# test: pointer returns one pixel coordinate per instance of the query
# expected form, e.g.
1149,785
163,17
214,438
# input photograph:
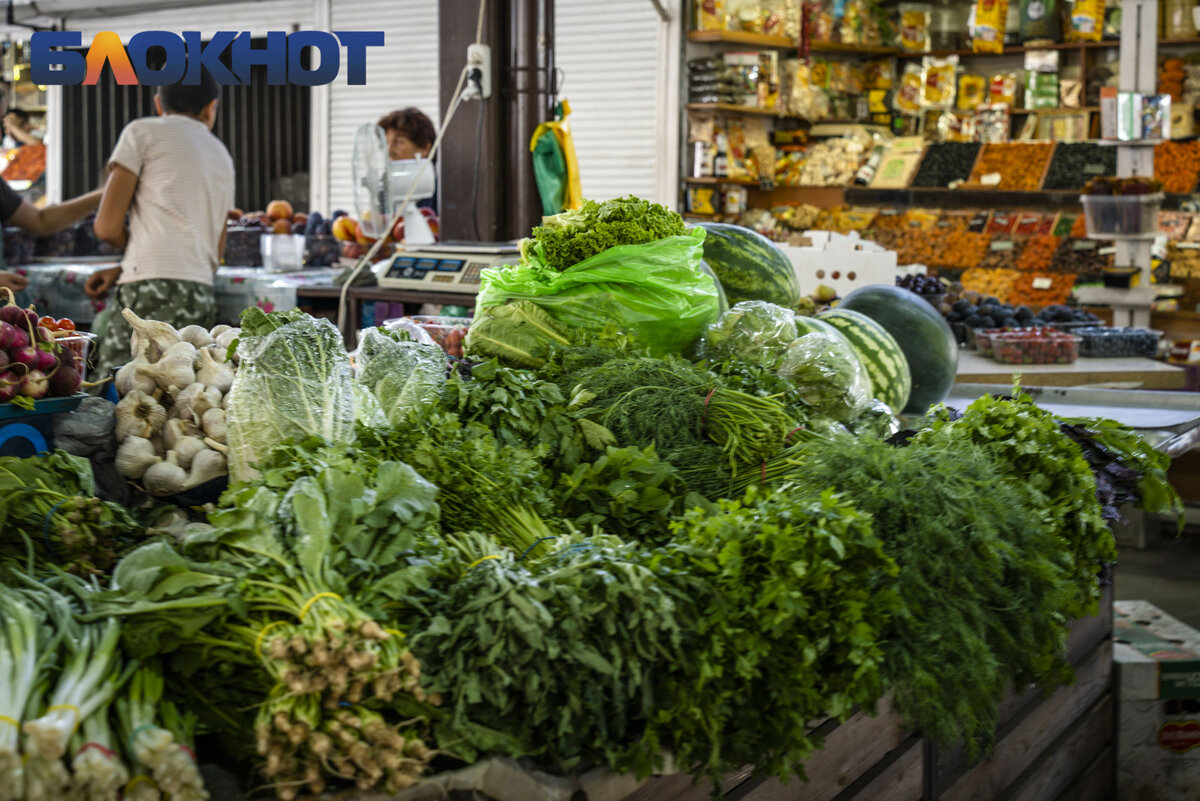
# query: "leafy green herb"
570,237
518,333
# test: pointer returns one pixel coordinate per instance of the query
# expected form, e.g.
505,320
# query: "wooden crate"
1048,748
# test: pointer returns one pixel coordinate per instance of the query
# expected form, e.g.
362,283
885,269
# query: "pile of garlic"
171,417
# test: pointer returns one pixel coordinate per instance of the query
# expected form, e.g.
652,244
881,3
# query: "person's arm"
118,197
13,281
23,135
221,245
42,222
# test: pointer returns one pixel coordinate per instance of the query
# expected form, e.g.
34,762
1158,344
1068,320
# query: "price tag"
1084,244
1002,244
888,213
1042,282
1094,169
943,224
1188,245
1107,251
991,179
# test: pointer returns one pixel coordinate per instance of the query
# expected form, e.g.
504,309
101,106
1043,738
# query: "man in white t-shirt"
175,180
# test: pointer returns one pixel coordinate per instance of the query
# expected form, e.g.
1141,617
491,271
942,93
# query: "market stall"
425,558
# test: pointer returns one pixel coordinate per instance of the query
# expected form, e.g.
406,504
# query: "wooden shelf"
740,38
1107,43
860,50
734,109
1020,112
731,181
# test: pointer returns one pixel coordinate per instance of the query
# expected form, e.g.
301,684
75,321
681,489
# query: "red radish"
34,384
20,340
31,318
46,361
7,333
44,334
9,384
13,315
27,356
65,382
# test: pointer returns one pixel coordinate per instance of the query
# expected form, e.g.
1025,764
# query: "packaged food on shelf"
952,127
982,337
972,91
1086,21
1174,224
907,98
1002,88
1156,116
993,122
800,97
880,74
1184,258
1110,342
913,35
1124,208
710,16
938,85
1012,166
1024,347
991,18
899,161
835,161
1041,90
1040,21
944,163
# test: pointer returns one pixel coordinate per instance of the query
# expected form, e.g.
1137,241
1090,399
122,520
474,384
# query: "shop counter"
1127,373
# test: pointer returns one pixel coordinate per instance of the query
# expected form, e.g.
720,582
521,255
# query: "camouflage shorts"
180,303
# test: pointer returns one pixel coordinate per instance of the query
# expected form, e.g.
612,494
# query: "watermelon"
878,351
926,339
750,266
722,301
810,325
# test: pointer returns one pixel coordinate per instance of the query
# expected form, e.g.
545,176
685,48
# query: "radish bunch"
32,364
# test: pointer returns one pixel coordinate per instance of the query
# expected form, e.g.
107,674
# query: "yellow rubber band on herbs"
16,724
314,599
394,633
134,783
71,707
258,641
477,561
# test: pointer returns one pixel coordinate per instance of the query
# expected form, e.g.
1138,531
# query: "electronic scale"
444,267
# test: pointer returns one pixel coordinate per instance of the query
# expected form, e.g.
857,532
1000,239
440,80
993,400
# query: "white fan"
381,185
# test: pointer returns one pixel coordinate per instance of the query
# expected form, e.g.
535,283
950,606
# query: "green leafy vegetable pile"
573,236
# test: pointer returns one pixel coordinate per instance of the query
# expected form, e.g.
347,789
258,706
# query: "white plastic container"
282,253
1122,216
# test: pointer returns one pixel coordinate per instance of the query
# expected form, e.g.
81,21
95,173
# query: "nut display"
1075,162
946,162
1002,254
1177,165
1038,290
1038,253
1081,257
1020,165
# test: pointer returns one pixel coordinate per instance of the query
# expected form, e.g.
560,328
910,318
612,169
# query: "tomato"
66,324
49,323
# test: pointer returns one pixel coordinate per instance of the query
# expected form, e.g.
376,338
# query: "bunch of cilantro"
568,238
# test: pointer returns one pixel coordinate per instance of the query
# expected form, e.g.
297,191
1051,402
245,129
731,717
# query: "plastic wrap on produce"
829,375
754,331
404,377
656,292
294,382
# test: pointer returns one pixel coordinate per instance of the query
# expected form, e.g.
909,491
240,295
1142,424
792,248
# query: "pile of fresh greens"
573,236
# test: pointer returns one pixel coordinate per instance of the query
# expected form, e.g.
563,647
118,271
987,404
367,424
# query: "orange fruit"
279,210
283,226
344,228
360,237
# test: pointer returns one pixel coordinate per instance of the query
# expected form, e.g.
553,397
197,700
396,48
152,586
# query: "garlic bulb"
206,466
217,330
213,423
196,335
134,456
218,355
174,370
139,415
226,339
186,449
177,429
165,477
157,336
128,378
214,374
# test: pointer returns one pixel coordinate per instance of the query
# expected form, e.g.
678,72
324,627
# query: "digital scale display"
453,267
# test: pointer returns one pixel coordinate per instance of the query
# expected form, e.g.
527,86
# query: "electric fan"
382,184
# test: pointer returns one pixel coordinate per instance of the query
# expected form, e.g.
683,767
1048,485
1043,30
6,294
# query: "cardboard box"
1108,112
842,261
1157,661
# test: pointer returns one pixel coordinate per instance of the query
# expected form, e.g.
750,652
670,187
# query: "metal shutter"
404,72
258,18
608,54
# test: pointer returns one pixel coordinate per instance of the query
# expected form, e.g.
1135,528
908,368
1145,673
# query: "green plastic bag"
550,173
655,292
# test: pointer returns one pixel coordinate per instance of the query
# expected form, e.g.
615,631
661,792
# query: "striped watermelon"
879,352
812,325
750,266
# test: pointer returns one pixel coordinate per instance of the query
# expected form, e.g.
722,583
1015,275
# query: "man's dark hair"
410,122
20,114
182,99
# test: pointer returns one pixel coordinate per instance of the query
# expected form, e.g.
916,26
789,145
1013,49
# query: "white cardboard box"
842,261
1157,669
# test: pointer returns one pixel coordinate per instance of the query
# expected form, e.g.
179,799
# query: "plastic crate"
445,332
1112,342
1122,216
1022,347
26,437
